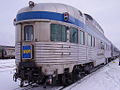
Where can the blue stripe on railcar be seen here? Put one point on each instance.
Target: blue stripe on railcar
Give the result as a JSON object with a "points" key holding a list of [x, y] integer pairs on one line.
{"points": [[40, 15], [47, 15]]}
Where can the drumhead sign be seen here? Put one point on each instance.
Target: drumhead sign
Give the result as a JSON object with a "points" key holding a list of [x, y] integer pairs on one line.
{"points": [[27, 52]]}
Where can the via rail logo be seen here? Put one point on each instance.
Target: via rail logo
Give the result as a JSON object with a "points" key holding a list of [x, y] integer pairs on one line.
{"points": [[27, 52]]}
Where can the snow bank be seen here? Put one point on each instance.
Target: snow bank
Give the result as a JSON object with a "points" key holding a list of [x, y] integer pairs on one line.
{"points": [[7, 64], [107, 78]]}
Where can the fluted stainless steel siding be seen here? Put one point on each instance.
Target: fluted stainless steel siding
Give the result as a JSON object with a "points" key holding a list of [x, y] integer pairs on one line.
{"points": [[59, 53], [17, 53]]}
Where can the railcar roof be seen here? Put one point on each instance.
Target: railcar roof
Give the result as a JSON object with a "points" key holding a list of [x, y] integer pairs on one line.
{"points": [[59, 8], [52, 7]]}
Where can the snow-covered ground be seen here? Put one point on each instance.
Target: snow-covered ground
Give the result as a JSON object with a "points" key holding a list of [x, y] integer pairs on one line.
{"points": [[106, 78], [7, 69], [7, 64]]}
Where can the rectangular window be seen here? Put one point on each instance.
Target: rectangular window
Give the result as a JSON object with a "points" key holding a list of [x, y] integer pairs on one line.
{"points": [[106, 46], [82, 38], [73, 35], [102, 45], [89, 40], [28, 33], [58, 33], [94, 42]]}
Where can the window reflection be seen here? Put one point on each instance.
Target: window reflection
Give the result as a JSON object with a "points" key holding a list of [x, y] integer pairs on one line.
{"points": [[58, 33], [73, 35]]}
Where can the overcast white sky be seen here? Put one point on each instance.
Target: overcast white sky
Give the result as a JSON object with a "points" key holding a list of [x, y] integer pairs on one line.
{"points": [[105, 12]]}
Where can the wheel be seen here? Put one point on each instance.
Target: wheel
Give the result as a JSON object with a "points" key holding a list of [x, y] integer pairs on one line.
{"points": [[53, 81], [21, 83], [66, 79], [77, 73]]}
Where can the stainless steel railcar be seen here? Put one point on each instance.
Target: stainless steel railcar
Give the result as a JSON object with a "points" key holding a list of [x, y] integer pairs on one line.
{"points": [[7, 52], [55, 42]]}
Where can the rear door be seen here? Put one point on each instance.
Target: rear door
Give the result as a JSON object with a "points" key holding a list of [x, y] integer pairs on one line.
{"points": [[27, 42]]}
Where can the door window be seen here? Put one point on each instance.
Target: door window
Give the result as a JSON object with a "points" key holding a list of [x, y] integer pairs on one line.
{"points": [[28, 33]]}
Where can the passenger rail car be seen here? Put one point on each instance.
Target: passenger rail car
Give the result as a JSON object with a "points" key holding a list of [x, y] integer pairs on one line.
{"points": [[57, 43]]}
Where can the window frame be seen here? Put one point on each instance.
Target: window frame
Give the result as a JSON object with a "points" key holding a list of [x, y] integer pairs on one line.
{"points": [[90, 40], [70, 35], [61, 40], [102, 45], [32, 32], [94, 42], [82, 38]]}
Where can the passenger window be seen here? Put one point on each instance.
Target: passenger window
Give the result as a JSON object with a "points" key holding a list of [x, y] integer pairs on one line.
{"points": [[89, 40], [80, 13], [73, 35], [102, 45], [58, 33], [28, 33], [94, 41], [82, 38], [106, 46]]}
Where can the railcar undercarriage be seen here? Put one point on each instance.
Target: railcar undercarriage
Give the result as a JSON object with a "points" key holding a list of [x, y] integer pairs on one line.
{"points": [[28, 73]]}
